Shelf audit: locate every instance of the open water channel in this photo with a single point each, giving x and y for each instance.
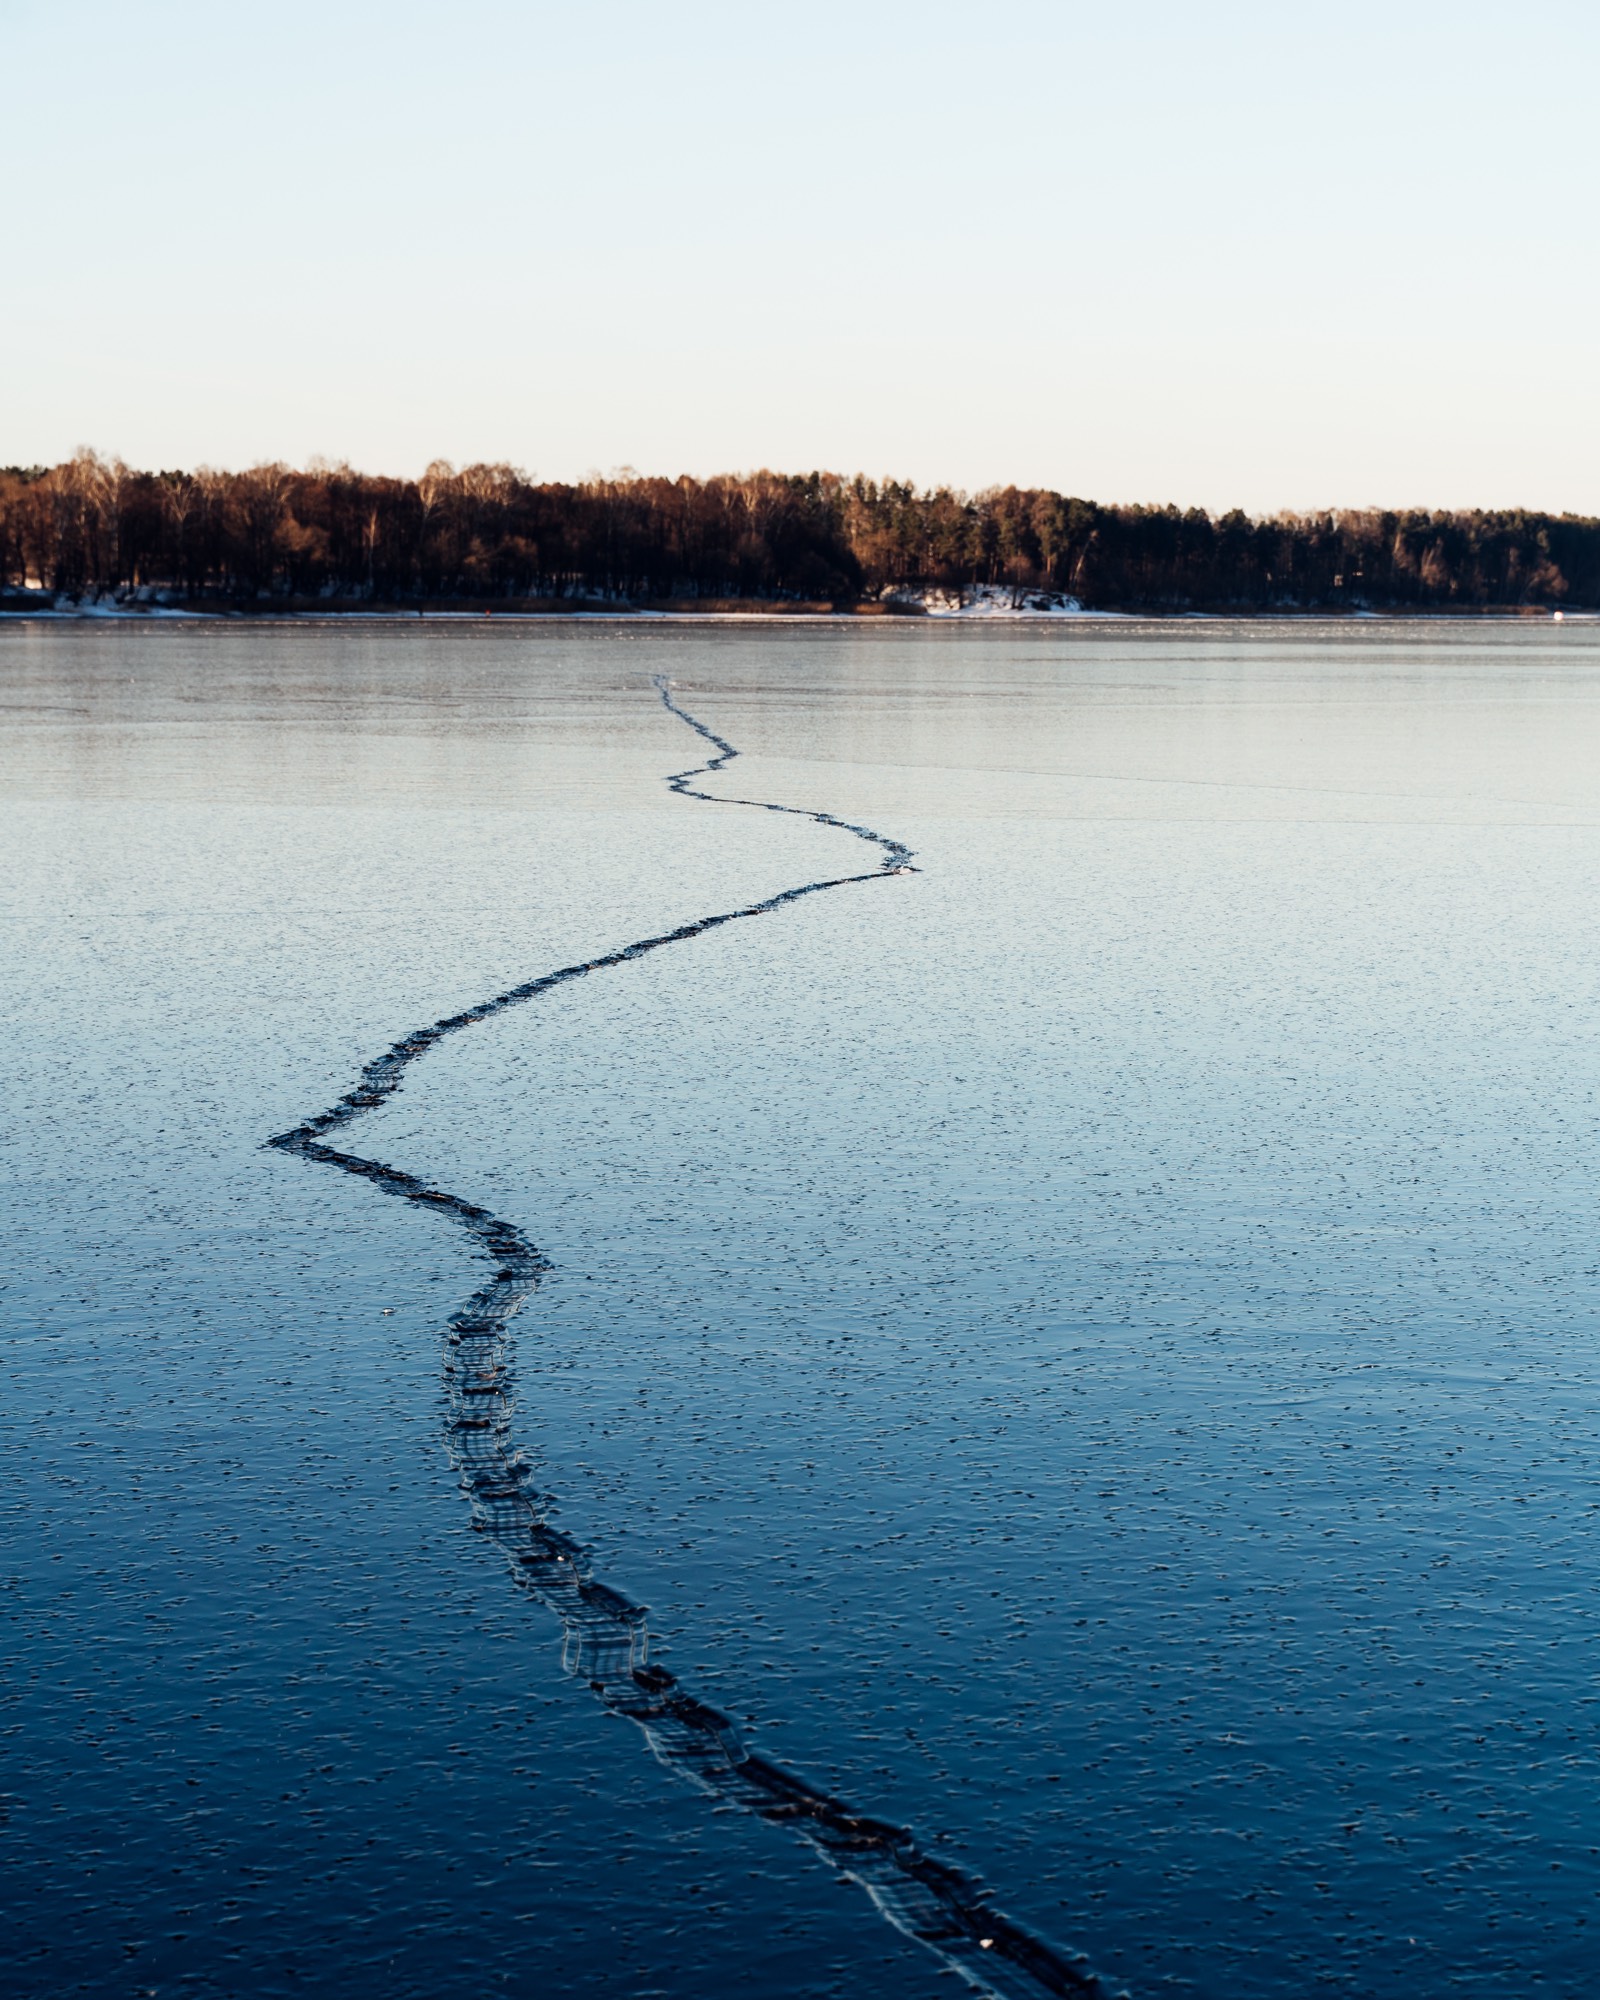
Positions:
(1087, 1351)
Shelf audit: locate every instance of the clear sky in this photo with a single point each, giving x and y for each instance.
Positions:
(1265, 255)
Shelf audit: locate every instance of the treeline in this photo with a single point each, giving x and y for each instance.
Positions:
(276, 536)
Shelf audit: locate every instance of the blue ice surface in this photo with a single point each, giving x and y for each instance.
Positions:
(1086, 1351)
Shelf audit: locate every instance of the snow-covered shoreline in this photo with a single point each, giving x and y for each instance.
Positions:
(983, 603)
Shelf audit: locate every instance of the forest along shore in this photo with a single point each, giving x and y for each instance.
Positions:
(95, 536)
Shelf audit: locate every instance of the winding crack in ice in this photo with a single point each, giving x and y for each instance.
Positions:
(605, 1639)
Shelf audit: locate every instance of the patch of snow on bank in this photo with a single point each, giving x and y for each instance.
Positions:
(994, 600)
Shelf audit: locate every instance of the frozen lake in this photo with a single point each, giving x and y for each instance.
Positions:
(1087, 1351)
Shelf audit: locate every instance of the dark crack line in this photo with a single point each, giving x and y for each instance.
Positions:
(897, 856)
(605, 1637)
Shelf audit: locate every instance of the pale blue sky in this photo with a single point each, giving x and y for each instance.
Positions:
(1265, 255)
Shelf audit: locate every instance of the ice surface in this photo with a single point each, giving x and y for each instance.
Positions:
(1085, 1351)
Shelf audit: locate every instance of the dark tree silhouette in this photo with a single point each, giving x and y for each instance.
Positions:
(272, 536)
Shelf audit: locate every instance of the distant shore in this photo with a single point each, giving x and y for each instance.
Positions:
(100, 537)
(39, 609)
